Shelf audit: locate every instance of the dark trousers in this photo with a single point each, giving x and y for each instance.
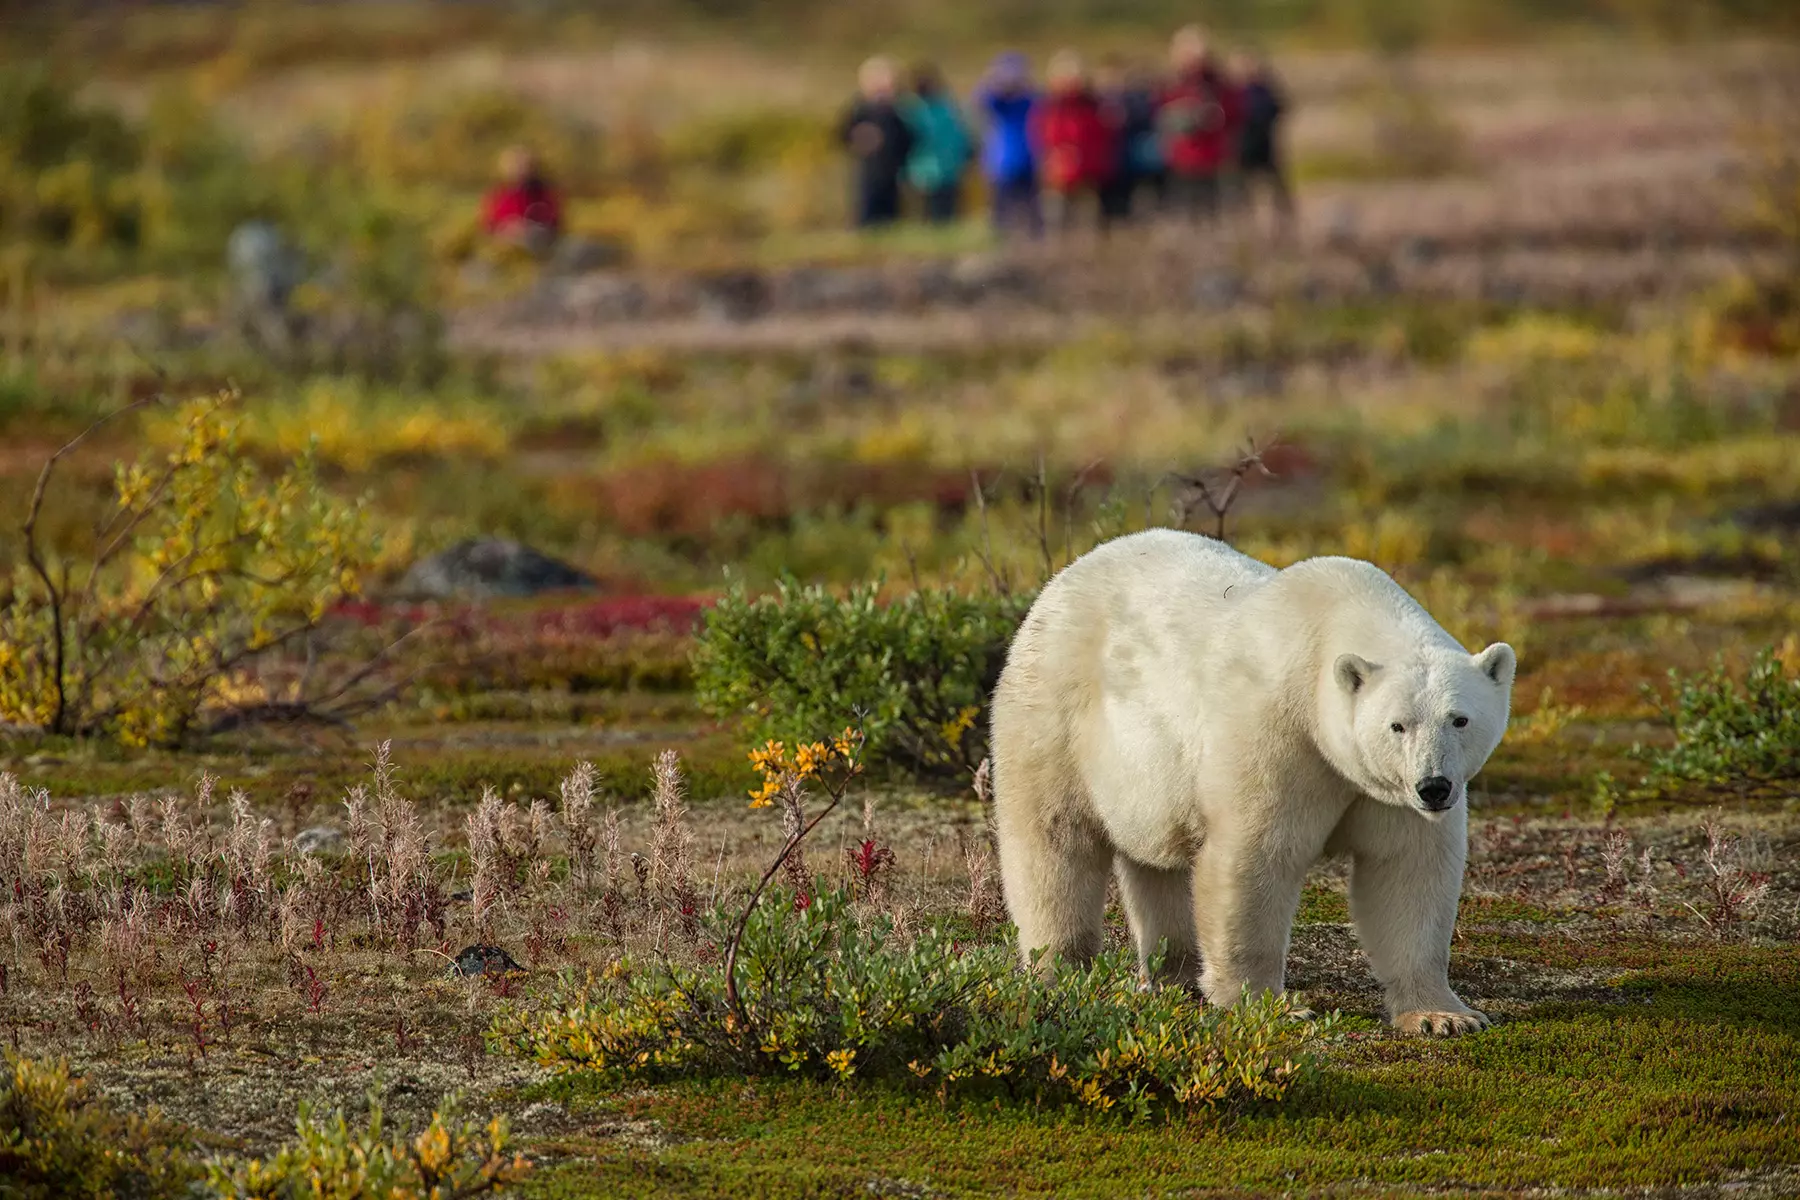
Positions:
(942, 204)
(1115, 198)
(1195, 195)
(877, 201)
(1015, 205)
(1267, 171)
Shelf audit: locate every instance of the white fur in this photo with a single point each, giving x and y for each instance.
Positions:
(1208, 727)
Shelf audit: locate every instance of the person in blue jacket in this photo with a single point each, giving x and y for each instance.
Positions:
(1005, 101)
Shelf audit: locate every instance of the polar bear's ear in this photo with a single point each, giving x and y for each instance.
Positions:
(1352, 672)
(1498, 663)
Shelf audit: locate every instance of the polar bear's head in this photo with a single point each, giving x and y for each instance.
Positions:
(1419, 728)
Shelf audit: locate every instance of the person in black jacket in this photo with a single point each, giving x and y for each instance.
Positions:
(1259, 145)
(879, 141)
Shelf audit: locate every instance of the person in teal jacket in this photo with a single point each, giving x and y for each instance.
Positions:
(941, 145)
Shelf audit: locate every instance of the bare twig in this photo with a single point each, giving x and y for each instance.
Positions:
(986, 553)
(34, 556)
(1219, 493)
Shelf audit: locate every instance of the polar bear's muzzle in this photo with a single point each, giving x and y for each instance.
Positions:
(1436, 794)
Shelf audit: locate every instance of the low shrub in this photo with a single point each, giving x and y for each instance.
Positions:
(198, 604)
(329, 1160)
(1730, 733)
(836, 995)
(59, 1142)
(917, 669)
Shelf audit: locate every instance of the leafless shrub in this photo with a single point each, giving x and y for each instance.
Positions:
(1615, 856)
(1732, 891)
(578, 823)
(484, 852)
(1217, 490)
(671, 848)
(985, 905)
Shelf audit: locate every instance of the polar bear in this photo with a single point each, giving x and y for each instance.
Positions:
(1208, 726)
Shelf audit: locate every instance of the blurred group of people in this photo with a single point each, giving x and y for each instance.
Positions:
(1098, 146)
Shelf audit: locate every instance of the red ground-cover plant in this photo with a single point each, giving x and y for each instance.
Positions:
(595, 618)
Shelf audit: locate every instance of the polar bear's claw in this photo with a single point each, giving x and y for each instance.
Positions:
(1442, 1024)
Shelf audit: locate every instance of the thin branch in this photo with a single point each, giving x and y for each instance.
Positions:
(1043, 518)
(35, 558)
(986, 553)
(732, 997)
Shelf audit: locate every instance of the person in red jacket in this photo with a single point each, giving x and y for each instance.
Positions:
(1077, 145)
(524, 208)
(1198, 118)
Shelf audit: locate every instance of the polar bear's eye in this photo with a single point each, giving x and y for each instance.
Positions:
(1459, 722)
(1397, 727)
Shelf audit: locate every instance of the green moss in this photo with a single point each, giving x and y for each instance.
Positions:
(1676, 1076)
(1323, 904)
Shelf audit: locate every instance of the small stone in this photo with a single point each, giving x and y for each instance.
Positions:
(603, 298)
(577, 255)
(1218, 289)
(320, 839)
(484, 960)
(732, 295)
(981, 275)
(1420, 251)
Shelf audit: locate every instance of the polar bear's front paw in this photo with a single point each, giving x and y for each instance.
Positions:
(1441, 1024)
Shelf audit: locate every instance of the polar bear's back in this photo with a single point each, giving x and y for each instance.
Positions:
(1125, 612)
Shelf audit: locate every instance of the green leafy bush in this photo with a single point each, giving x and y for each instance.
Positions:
(84, 184)
(917, 669)
(1731, 734)
(204, 577)
(833, 996)
(58, 1142)
(328, 1160)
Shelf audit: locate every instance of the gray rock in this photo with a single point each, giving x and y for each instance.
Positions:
(1341, 226)
(1500, 289)
(265, 268)
(1420, 251)
(1780, 517)
(1218, 289)
(603, 298)
(981, 275)
(936, 283)
(483, 960)
(320, 839)
(828, 289)
(732, 295)
(578, 255)
(1383, 280)
(487, 569)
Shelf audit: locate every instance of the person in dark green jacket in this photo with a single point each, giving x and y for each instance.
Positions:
(941, 145)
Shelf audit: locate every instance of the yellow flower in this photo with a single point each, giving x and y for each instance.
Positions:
(770, 759)
(809, 758)
(958, 725)
(765, 795)
(843, 1062)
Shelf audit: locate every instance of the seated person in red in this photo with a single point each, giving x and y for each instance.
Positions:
(523, 209)
(1076, 142)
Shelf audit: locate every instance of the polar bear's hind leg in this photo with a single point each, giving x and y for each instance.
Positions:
(1054, 862)
(1160, 906)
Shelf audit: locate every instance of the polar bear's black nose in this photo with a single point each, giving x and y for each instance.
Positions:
(1435, 792)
